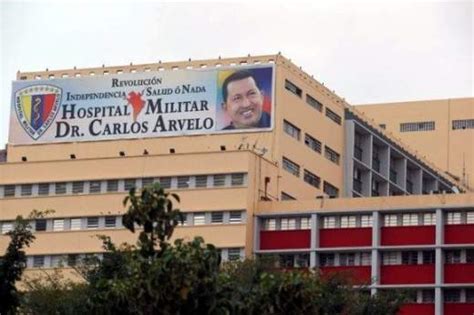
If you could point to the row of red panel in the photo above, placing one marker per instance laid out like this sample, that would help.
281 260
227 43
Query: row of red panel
352 237
406 274
429 309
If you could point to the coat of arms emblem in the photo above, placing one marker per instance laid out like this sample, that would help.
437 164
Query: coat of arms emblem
36 107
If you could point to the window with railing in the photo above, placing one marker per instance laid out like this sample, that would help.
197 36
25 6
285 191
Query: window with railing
312 143
291 167
290 86
291 130
311 101
312 179
331 154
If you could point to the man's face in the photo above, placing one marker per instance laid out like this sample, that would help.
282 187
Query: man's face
244 103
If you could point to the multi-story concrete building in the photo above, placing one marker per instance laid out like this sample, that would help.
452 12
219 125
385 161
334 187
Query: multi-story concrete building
317 150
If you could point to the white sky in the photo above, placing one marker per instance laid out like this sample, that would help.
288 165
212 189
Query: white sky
368 52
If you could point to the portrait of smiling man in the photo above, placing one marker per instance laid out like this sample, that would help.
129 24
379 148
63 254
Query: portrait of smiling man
243 102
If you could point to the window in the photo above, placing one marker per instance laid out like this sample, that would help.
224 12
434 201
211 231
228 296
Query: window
288 223
285 196
7 227
218 180
347 259
58 225
57 260
469 295
312 179
470 217
76 224
93 223
452 295
390 220
235 217
333 116
329 222
452 256
40 225
326 260
331 155
147 181
60 188
470 256
112 185
453 218
427 296
237 179
38 261
409 219
390 258
291 130
305 223
348 221
217 217
201 181
129 184
291 167
429 218
311 101
233 254
417 126
429 257
72 260
110 221
463 124
293 88
312 143
287 261
165 182
269 224
78 187
409 258
302 261
366 220
199 219
43 189
365 258
9 191
26 189
95 186
183 181
330 190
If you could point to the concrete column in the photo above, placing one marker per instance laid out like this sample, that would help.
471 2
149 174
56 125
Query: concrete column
349 129
375 270
314 239
439 277
256 234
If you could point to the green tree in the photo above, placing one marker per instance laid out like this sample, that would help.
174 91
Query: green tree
161 278
12 265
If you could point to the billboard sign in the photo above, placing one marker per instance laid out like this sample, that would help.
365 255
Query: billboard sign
143 105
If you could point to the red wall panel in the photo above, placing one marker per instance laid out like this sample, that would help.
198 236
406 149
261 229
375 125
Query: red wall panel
345 237
459 234
358 274
417 309
285 239
458 308
407 274
408 235
459 273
